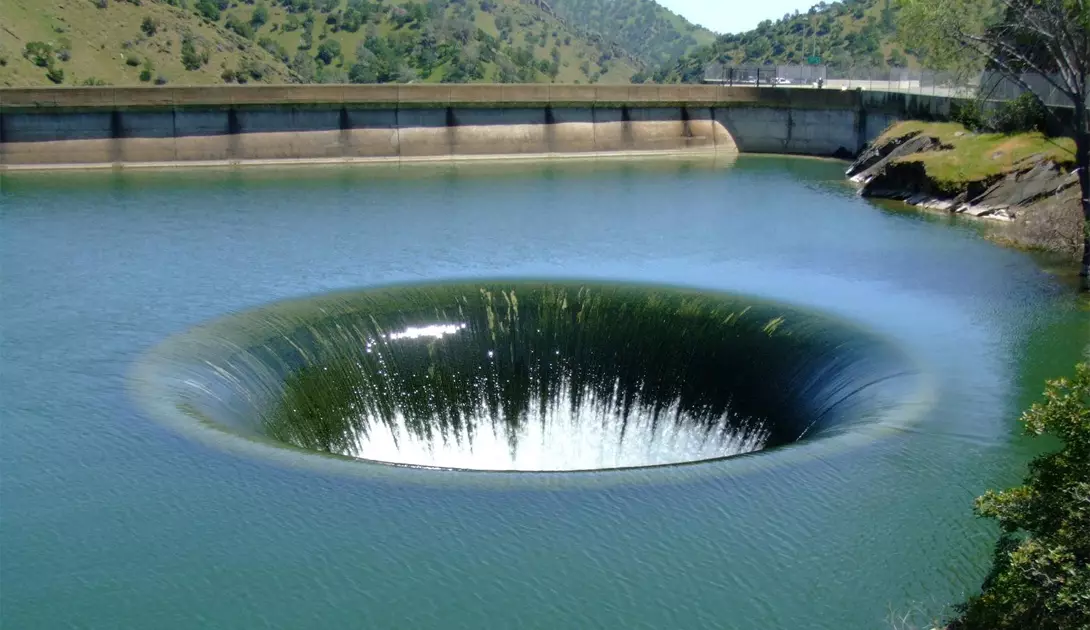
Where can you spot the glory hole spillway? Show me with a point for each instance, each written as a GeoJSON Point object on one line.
{"type": "Point", "coordinates": [531, 376]}
{"type": "Point", "coordinates": [704, 391]}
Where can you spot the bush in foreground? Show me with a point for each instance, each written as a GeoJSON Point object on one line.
{"type": "Point", "coordinates": [1040, 576]}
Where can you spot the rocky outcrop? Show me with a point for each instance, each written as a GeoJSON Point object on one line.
{"type": "Point", "coordinates": [1033, 182]}
{"type": "Point", "coordinates": [883, 174]}
{"type": "Point", "coordinates": [877, 156]}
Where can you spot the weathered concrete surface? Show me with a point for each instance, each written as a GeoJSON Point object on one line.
{"type": "Point", "coordinates": [119, 126]}
{"type": "Point", "coordinates": [800, 131]}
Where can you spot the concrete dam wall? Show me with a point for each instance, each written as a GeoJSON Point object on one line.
{"type": "Point", "coordinates": [111, 127]}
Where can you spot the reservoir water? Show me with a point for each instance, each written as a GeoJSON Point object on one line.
{"type": "Point", "coordinates": [155, 469]}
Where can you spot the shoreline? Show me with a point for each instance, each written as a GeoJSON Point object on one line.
{"type": "Point", "coordinates": [1023, 184]}
{"type": "Point", "coordinates": [702, 153]}
{"type": "Point", "coordinates": [386, 160]}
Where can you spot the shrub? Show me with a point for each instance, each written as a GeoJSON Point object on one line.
{"type": "Point", "coordinates": [259, 16]}
{"type": "Point", "coordinates": [39, 53]}
{"type": "Point", "coordinates": [191, 60]}
{"type": "Point", "coordinates": [55, 74]}
{"type": "Point", "coordinates": [1025, 113]}
{"type": "Point", "coordinates": [249, 68]}
{"type": "Point", "coordinates": [150, 26]}
{"type": "Point", "coordinates": [303, 65]}
{"type": "Point", "coordinates": [969, 114]}
{"type": "Point", "coordinates": [328, 51]}
{"type": "Point", "coordinates": [160, 80]}
{"type": "Point", "coordinates": [234, 23]}
{"type": "Point", "coordinates": [209, 9]}
{"type": "Point", "coordinates": [91, 81]}
{"type": "Point", "coordinates": [145, 74]}
{"type": "Point", "coordinates": [1040, 577]}
{"type": "Point", "coordinates": [132, 61]}
{"type": "Point", "coordinates": [102, 4]}
{"type": "Point", "coordinates": [274, 48]}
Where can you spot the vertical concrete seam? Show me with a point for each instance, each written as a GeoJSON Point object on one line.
{"type": "Point", "coordinates": [790, 130]}
{"type": "Point", "coordinates": [715, 128]}
{"type": "Point", "coordinates": [345, 124]}
{"type": "Point", "coordinates": [397, 130]}
{"type": "Point", "coordinates": [116, 135]}
{"type": "Point", "coordinates": [174, 125]}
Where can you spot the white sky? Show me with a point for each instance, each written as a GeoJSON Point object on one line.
{"type": "Point", "coordinates": [733, 16]}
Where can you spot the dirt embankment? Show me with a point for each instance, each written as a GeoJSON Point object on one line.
{"type": "Point", "coordinates": [1023, 180]}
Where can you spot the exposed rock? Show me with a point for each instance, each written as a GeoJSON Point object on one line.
{"type": "Point", "coordinates": [907, 181]}
{"type": "Point", "coordinates": [871, 165]}
{"type": "Point", "coordinates": [1032, 185]}
{"type": "Point", "coordinates": [874, 153]}
{"type": "Point", "coordinates": [1033, 181]}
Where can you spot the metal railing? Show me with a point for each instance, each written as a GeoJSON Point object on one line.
{"type": "Point", "coordinates": [988, 85]}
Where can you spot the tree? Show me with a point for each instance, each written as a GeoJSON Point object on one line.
{"type": "Point", "coordinates": [1050, 38]}
{"type": "Point", "coordinates": [260, 15]}
{"type": "Point", "coordinates": [1040, 577]}
{"type": "Point", "coordinates": [209, 9]}
{"type": "Point", "coordinates": [304, 66]}
{"type": "Point", "coordinates": [329, 50]}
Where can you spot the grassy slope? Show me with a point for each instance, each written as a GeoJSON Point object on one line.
{"type": "Point", "coordinates": [526, 19]}
{"type": "Point", "coordinates": [798, 37]}
{"type": "Point", "coordinates": [100, 39]}
{"type": "Point", "coordinates": [978, 157]}
{"type": "Point", "coordinates": [648, 30]}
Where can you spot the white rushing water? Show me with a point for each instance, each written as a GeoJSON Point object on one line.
{"type": "Point", "coordinates": [558, 438]}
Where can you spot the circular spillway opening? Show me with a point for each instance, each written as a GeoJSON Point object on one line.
{"type": "Point", "coordinates": [529, 376]}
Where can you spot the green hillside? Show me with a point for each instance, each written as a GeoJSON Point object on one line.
{"type": "Point", "coordinates": [125, 42]}
{"type": "Point", "coordinates": [644, 28]}
{"type": "Point", "coordinates": [842, 35]}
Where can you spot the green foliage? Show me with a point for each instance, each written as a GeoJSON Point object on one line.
{"type": "Point", "coordinates": [1025, 113]}
{"type": "Point", "coordinates": [848, 34]}
{"type": "Point", "coordinates": [1041, 573]}
{"type": "Point", "coordinates": [39, 53]}
{"type": "Point", "coordinates": [236, 24]}
{"type": "Point", "coordinates": [328, 51]}
{"type": "Point", "coordinates": [643, 28]}
{"type": "Point", "coordinates": [259, 16]}
{"type": "Point", "coordinates": [969, 114]}
{"type": "Point", "coordinates": [209, 9]}
{"type": "Point", "coordinates": [274, 48]}
{"type": "Point", "coordinates": [145, 73]}
{"type": "Point", "coordinates": [303, 65]}
{"type": "Point", "coordinates": [149, 25]}
{"type": "Point", "coordinates": [55, 74]}
{"type": "Point", "coordinates": [406, 40]}
{"type": "Point", "coordinates": [191, 59]}
{"type": "Point", "coordinates": [931, 28]}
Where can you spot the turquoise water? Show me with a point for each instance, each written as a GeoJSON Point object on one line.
{"type": "Point", "coordinates": [112, 517]}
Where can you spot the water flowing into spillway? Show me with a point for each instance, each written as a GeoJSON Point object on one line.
{"type": "Point", "coordinates": [531, 376]}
